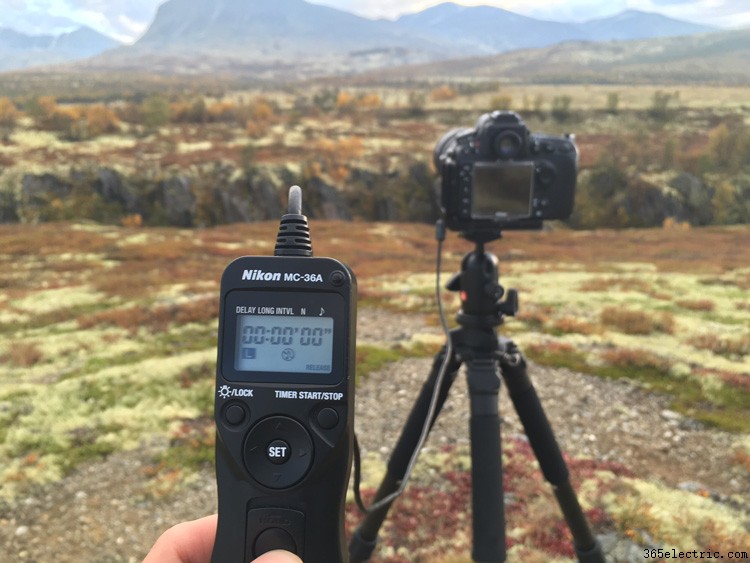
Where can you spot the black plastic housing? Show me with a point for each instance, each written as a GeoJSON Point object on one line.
{"type": "Point", "coordinates": [297, 504]}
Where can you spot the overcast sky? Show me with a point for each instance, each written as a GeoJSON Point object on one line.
{"type": "Point", "coordinates": [127, 19]}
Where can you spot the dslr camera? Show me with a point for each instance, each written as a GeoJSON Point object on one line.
{"type": "Point", "coordinates": [500, 176]}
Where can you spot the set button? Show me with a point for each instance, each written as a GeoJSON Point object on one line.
{"type": "Point", "coordinates": [278, 452]}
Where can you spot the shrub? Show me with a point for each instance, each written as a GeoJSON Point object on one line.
{"type": "Point", "coordinates": [417, 102]}
{"type": "Point", "coordinates": [67, 121]}
{"type": "Point", "coordinates": [728, 147]}
{"type": "Point", "coordinates": [345, 101]}
{"type": "Point", "coordinates": [8, 113]}
{"type": "Point", "coordinates": [335, 156]}
{"type": "Point", "coordinates": [325, 100]}
{"type": "Point", "coordinates": [443, 93]}
{"type": "Point", "coordinates": [155, 111]}
{"type": "Point", "coordinates": [572, 325]}
{"type": "Point", "coordinates": [635, 359]}
{"type": "Point", "coordinates": [223, 112]}
{"type": "Point", "coordinates": [722, 346]}
{"type": "Point", "coordinates": [697, 304]}
{"type": "Point", "coordinates": [100, 120]}
{"type": "Point", "coordinates": [40, 109]}
{"type": "Point", "coordinates": [261, 117]}
{"type": "Point", "coordinates": [194, 111]}
{"type": "Point", "coordinates": [561, 107]}
{"type": "Point", "coordinates": [636, 322]}
{"type": "Point", "coordinates": [660, 103]}
{"type": "Point", "coordinates": [613, 101]}
{"type": "Point", "coordinates": [503, 102]}
{"type": "Point", "coordinates": [23, 354]}
{"type": "Point", "coordinates": [369, 101]}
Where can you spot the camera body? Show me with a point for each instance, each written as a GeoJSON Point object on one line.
{"type": "Point", "coordinates": [284, 407]}
{"type": "Point", "coordinates": [501, 176]}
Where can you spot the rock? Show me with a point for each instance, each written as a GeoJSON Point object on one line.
{"type": "Point", "coordinates": [235, 204]}
{"type": "Point", "coordinates": [179, 201]}
{"type": "Point", "coordinates": [44, 187]}
{"type": "Point", "coordinates": [696, 197]}
{"type": "Point", "coordinates": [265, 202]}
{"type": "Point", "coordinates": [326, 202]}
{"type": "Point", "coordinates": [110, 187]}
{"type": "Point", "coordinates": [38, 195]}
{"type": "Point", "coordinates": [691, 486]}
{"type": "Point", "coordinates": [667, 414]}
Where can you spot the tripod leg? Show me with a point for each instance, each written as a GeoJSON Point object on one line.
{"type": "Point", "coordinates": [365, 536]}
{"type": "Point", "coordinates": [488, 513]}
{"type": "Point", "coordinates": [547, 451]}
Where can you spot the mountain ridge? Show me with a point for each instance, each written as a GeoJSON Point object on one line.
{"type": "Point", "coordinates": [21, 50]}
{"type": "Point", "coordinates": [284, 39]}
{"type": "Point", "coordinates": [717, 57]}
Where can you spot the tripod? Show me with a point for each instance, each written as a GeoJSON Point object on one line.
{"type": "Point", "coordinates": [475, 343]}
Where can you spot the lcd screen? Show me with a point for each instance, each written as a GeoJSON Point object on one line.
{"type": "Point", "coordinates": [284, 344]}
{"type": "Point", "coordinates": [502, 189]}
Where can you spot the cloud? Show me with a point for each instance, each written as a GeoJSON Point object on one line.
{"type": "Point", "coordinates": [720, 13]}
{"type": "Point", "coordinates": [121, 19]}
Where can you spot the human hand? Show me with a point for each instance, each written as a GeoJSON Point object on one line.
{"type": "Point", "coordinates": [193, 542]}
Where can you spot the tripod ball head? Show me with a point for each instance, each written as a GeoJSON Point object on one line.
{"type": "Point", "coordinates": [477, 284]}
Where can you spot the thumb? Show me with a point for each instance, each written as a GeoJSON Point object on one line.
{"type": "Point", "coordinates": [278, 556]}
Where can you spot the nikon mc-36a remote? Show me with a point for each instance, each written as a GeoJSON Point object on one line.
{"type": "Point", "coordinates": [284, 407]}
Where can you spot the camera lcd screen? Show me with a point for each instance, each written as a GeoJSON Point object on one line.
{"type": "Point", "coordinates": [502, 189]}
{"type": "Point", "coordinates": [274, 343]}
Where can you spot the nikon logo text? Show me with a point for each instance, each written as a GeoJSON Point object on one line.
{"type": "Point", "coordinates": [260, 275]}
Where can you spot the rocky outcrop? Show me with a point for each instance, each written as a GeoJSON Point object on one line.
{"type": "Point", "coordinates": [178, 201]}
{"type": "Point", "coordinates": [225, 194]}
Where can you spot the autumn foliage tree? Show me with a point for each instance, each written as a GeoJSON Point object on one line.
{"type": "Point", "coordinates": [8, 113]}
{"type": "Point", "coordinates": [8, 117]}
{"type": "Point", "coordinates": [335, 156]}
{"type": "Point", "coordinates": [101, 120]}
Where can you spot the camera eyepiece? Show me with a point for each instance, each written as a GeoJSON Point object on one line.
{"type": "Point", "coordinates": [507, 145]}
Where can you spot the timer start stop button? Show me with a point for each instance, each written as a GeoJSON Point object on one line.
{"type": "Point", "coordinates": [278, 452]}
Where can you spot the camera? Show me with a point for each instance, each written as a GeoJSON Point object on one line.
{"type": "Point", "coordinates": [500, 176]}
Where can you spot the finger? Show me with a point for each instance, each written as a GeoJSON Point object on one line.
{"type": "Point", "coordinates": [189, 542]}
{"type": "Point", "coordinates": [278, 556]}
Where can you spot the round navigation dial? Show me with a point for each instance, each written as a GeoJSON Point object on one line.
{"type": "Point", "coordinates": [278, 452]}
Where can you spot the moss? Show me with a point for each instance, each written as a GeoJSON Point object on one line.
{"type": "Point", "coordinates": [673, 518]}
{"type": "Point", "coordinates": [723, 407]}
{"type": "Point", "coordinates": [372, 358]}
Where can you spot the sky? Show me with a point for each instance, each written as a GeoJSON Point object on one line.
{"type": "Point", "coordinates": [126, 20]}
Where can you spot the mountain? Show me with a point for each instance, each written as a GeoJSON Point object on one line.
{"type": "Point", "coordinates": [634, 24]}
{"type": "Point", "coordinates": [287, 39]}
{"type": "Point", "coordinates": [269, 39]}
{"type": "Point", "coordinates": [83, 42]}
{"type": "Point", "coordinates": [486, 29]}
{"type": "Point", "coordinates": [294, 39]}
{"type": "Point", "coordinates": [719, 57]}
{"type": "Point", "coordinates": [273, 27]}
{"type": "Point", "coordinates": [19, 50]}
{"type": "Point", "coordinates": [491, 30]}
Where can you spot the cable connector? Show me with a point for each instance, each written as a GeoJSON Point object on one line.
{"type": "Point", "coordinates": [294, 233]}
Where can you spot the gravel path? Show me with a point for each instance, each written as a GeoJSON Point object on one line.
{"type": "Point", "coordinates": [100, 513]}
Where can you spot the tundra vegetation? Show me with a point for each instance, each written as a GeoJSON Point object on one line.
{"type": "Point", "coordinates": [108, 317]}
{"type": "Point", "coordinates": [178, 157]}
{"type": "Point", "coordinates": [109, 344]}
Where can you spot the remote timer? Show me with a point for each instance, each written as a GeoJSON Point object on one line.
{"type": "Point", "coordinates": [284, 407]}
